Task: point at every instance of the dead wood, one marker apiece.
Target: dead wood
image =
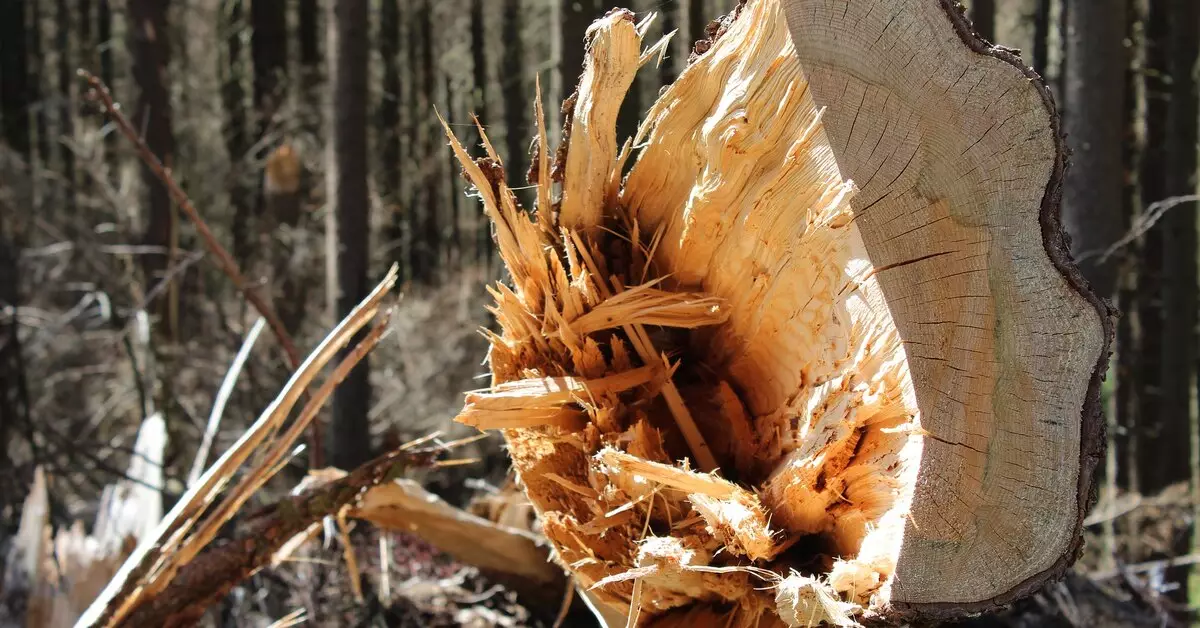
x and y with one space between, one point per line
225 563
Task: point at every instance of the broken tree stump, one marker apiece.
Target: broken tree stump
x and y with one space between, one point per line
821 356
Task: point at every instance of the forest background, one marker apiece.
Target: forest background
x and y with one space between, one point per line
319 171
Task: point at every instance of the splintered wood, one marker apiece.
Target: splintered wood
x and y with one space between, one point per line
697 375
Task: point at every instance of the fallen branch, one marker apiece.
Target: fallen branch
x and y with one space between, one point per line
215 571
194 520
100 93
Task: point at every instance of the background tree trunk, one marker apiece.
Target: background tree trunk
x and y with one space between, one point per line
237 142
149 47
390 133
15 100
107 68
983 15
269 51
348 439
427 236
1093 123
517 112
15 93
479 101
66 116
308 29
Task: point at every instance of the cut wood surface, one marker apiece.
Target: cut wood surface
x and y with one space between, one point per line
956 149
874 391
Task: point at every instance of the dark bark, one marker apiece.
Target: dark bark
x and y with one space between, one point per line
1094 107
308 29
16 95
1148 420
417 107
349 436
66 80
309 16
269 51
983 16
427 235
576 16
237 140
390 132
479 102
107 69
517 111
698 20
37 97
1179 341
670 67
150 51
15 99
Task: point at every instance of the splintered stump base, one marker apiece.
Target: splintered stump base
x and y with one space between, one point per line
732 393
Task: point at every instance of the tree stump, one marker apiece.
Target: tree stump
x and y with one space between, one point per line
821 356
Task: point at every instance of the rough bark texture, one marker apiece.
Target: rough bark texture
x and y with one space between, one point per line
1093 117
349 436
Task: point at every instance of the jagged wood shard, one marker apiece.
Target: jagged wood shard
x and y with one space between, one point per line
819 357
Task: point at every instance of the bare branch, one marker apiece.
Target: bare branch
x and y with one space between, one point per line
100 93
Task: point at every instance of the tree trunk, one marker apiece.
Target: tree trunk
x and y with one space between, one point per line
150 50
575 17
427 235
482 242
15 100
1094 108
1172 29
698 20
1041 37
16 96
349 439
308 19
66 116
269 51
237 141
983 17
671 63
107 71
36 89
516 99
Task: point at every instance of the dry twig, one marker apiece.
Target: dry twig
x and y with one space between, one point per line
100 93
